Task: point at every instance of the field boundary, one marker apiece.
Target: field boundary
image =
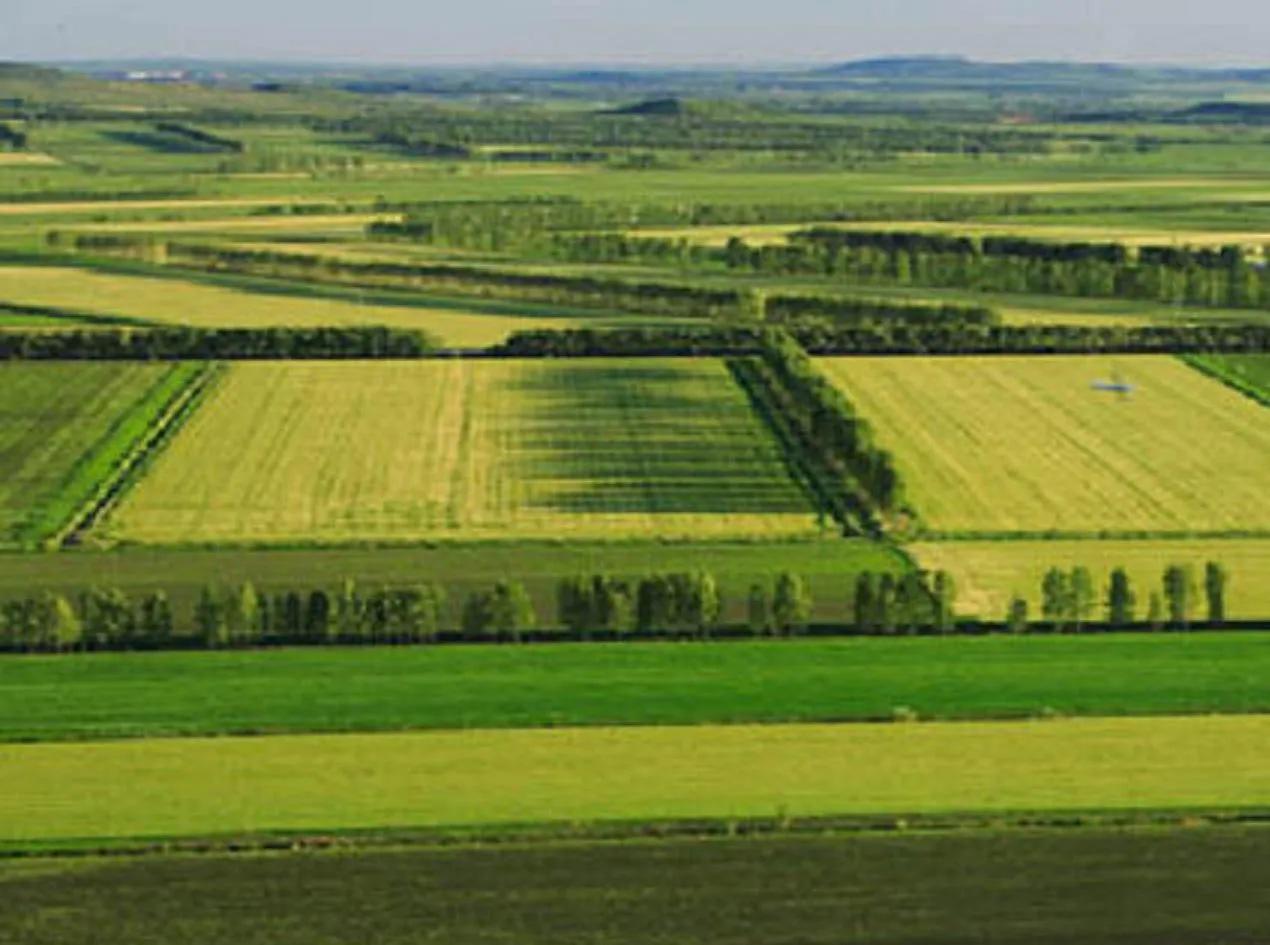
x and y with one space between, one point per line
177 410
802 467
85 318
637 830
1110 535
1233 381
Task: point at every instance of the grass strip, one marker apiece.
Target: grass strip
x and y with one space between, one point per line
105 460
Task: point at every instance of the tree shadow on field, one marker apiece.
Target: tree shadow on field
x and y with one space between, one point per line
626 437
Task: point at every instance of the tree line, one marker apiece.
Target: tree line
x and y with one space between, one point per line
857 478
892 339
1221 278
187 343
673 299
694 126
572 229
1070 600
680 604
370 342
677 605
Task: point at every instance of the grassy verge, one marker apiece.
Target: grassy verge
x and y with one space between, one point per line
122 695
1249 374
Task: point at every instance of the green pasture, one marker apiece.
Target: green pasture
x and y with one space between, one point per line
117 695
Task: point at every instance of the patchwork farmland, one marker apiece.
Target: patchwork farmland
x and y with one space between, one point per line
469 450
1028 446
487 505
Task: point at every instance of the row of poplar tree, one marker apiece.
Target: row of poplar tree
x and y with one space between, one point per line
1069 599
685 604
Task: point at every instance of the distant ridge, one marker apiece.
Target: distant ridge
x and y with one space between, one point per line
960 68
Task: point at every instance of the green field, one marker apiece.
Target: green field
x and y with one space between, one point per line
990 573
64 428
301 690
190 787
1117 887
1025 445
313 452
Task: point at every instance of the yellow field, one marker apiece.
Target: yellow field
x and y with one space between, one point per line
176 302
281 223
1074 186
990 573
329 452
124 206
1024 444
772 234
26 159
174 787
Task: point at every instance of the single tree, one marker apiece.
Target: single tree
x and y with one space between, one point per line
885 603
575 605
1056 598
65 631
478 615
1081 590
864 603
759 610
703 604
945 594
1215 580
512 610
156 620
210 620
1179 595
1016 616
318 625
791 604
244 615
1120 599
348 611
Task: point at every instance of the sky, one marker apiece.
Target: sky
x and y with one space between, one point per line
423 32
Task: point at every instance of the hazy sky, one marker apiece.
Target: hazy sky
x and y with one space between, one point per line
626 31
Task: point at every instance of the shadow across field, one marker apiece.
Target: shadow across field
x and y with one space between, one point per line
645 438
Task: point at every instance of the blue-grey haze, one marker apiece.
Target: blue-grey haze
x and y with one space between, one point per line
637 31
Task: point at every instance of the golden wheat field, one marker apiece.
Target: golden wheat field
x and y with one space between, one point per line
168 301
329 452
990 573
1026 444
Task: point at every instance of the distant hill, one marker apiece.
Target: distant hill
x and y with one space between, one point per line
1243 113
654 106
961 68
